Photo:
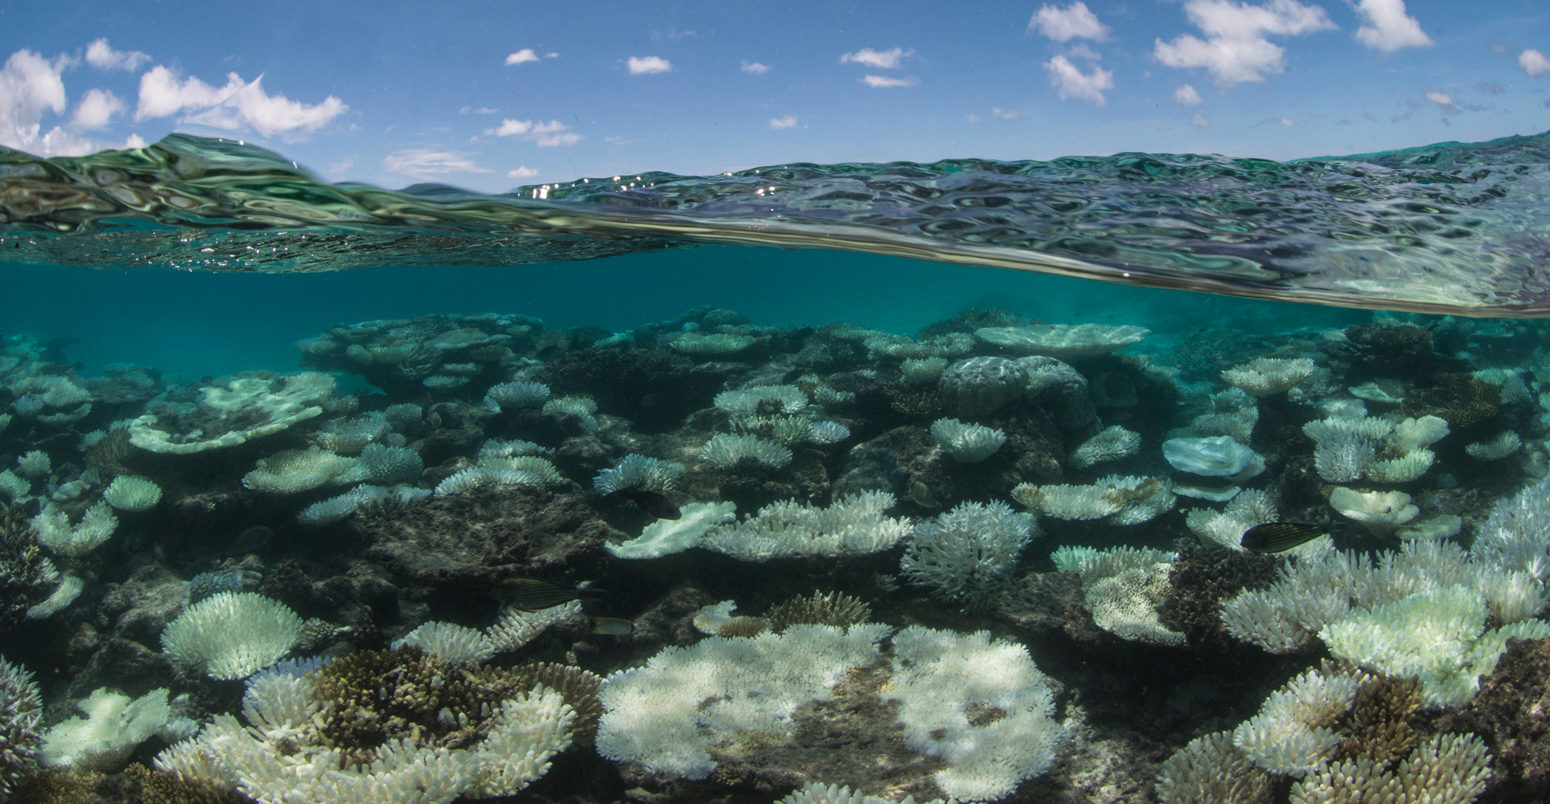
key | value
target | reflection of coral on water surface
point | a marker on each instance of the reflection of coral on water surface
(712, 560)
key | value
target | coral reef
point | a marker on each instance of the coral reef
(482, 555)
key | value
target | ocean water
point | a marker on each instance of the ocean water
(1046, 401)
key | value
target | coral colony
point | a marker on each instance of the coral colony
(708, 559)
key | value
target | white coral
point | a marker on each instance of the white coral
(853, 525)
(232, 634)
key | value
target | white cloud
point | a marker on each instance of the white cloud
(1235, 49)
(96, 109)
(877, 59)
(1071, 82)
(1444, 100)
(1386, 26)
(1200, 121)
(235, 106)
(789, 121)
(1186, 95)
(134, 141)
(884, 82)
(648, 65)
(1533, 63)
(29, 86)
(103, 57)
(996, 113)
(423, 162)
(523, 172)
(477, 110)
(546, 135)
(522, 56)
(755, 67)
(1063, 25)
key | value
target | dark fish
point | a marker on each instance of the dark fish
(658, 505)
(612, 626)
(1273, 537)
(249, 540)
(532, 594)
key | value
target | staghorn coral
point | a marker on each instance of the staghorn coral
(967, 555)
(21, 709)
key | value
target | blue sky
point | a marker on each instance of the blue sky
(490, 95)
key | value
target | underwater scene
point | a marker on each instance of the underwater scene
(1149, 477)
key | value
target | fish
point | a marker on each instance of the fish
(249, 540)
(532, 594)
(612, 626)
(654, 503)
(1274, 537)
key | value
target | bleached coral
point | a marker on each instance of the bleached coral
(967, 554)
(817, 793)
(639, 472)
(1123, 586)
(515, 627)
(1110, 444)
(293, 471)
(458, 644)
(665, 536)
(1437, 637)
(941, 678)
(853, 525)
(1211, 769)
(57, 533)
(1321, 589)
(132, 493)
(1122, 500)
(1445, 768)
(348, 436)
(726, 451)
(113, 727)
(1225, 528)
(232, 635)
(516, 395)
(33, 463)
(669, 714)
(1267, 376)
(1286, 616)
(1293, 732)
(1516, 535)
(966, 442)
(762, 399)
(281, 758)
(1348, 448)
(1380, 511)
(225, 413)
(1504, 444)
(520, 470)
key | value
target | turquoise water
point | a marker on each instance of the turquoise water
(377, 410)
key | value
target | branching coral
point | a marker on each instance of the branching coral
(967, 554)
